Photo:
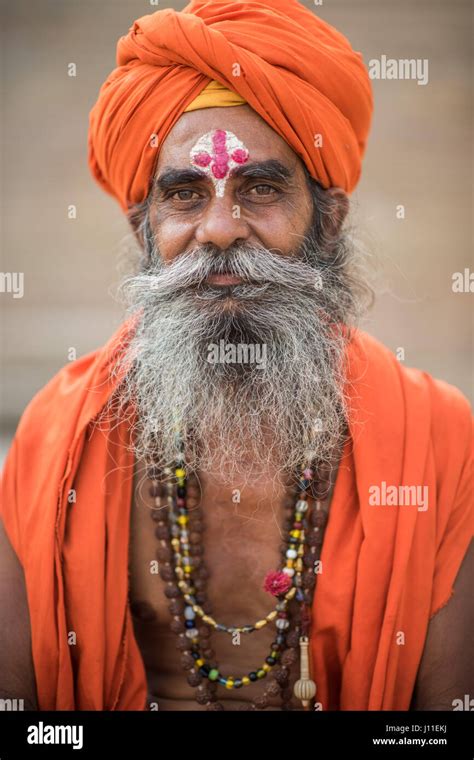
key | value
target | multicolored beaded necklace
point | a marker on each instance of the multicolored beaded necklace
(180, 552)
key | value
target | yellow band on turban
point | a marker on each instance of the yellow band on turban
(215, 95)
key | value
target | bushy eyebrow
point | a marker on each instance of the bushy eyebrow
(172, 177)
(269, 170)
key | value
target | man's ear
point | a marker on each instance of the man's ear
(334, 220)
(138, 233)
(136, 219)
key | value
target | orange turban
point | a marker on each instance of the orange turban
(296, 71)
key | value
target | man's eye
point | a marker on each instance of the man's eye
(184, 195)
(262, 190)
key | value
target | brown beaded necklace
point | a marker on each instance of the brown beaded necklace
(179, 531)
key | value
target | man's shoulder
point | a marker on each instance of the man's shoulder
(61, 392)
(50, 425)
(79, 388)
(450, 410)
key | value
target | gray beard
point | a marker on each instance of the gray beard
(251, 375)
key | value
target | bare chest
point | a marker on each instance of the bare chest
(240, 542)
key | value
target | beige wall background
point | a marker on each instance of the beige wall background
(419, 155)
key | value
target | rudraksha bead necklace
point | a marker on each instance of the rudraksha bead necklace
(182, 567)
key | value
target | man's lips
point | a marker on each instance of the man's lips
(224, 279)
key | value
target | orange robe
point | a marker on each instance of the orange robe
(386, 569)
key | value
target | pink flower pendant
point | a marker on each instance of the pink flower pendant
(277, 583)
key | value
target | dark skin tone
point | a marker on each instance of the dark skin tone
(275, 206)
(275, 211)
(241, 541)
(270, 189)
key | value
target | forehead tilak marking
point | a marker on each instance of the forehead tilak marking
(217, 153)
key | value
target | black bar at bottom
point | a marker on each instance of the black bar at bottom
(167, 734)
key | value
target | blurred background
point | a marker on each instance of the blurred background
(419, 156)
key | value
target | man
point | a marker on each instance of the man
(238, 414)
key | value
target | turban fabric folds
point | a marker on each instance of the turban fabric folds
(296, 71)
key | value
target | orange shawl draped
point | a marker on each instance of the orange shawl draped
(386, 569)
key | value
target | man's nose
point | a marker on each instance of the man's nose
(221, 223)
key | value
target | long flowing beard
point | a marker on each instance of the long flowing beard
(251, 375)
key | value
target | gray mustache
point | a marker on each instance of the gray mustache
(255, 266)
